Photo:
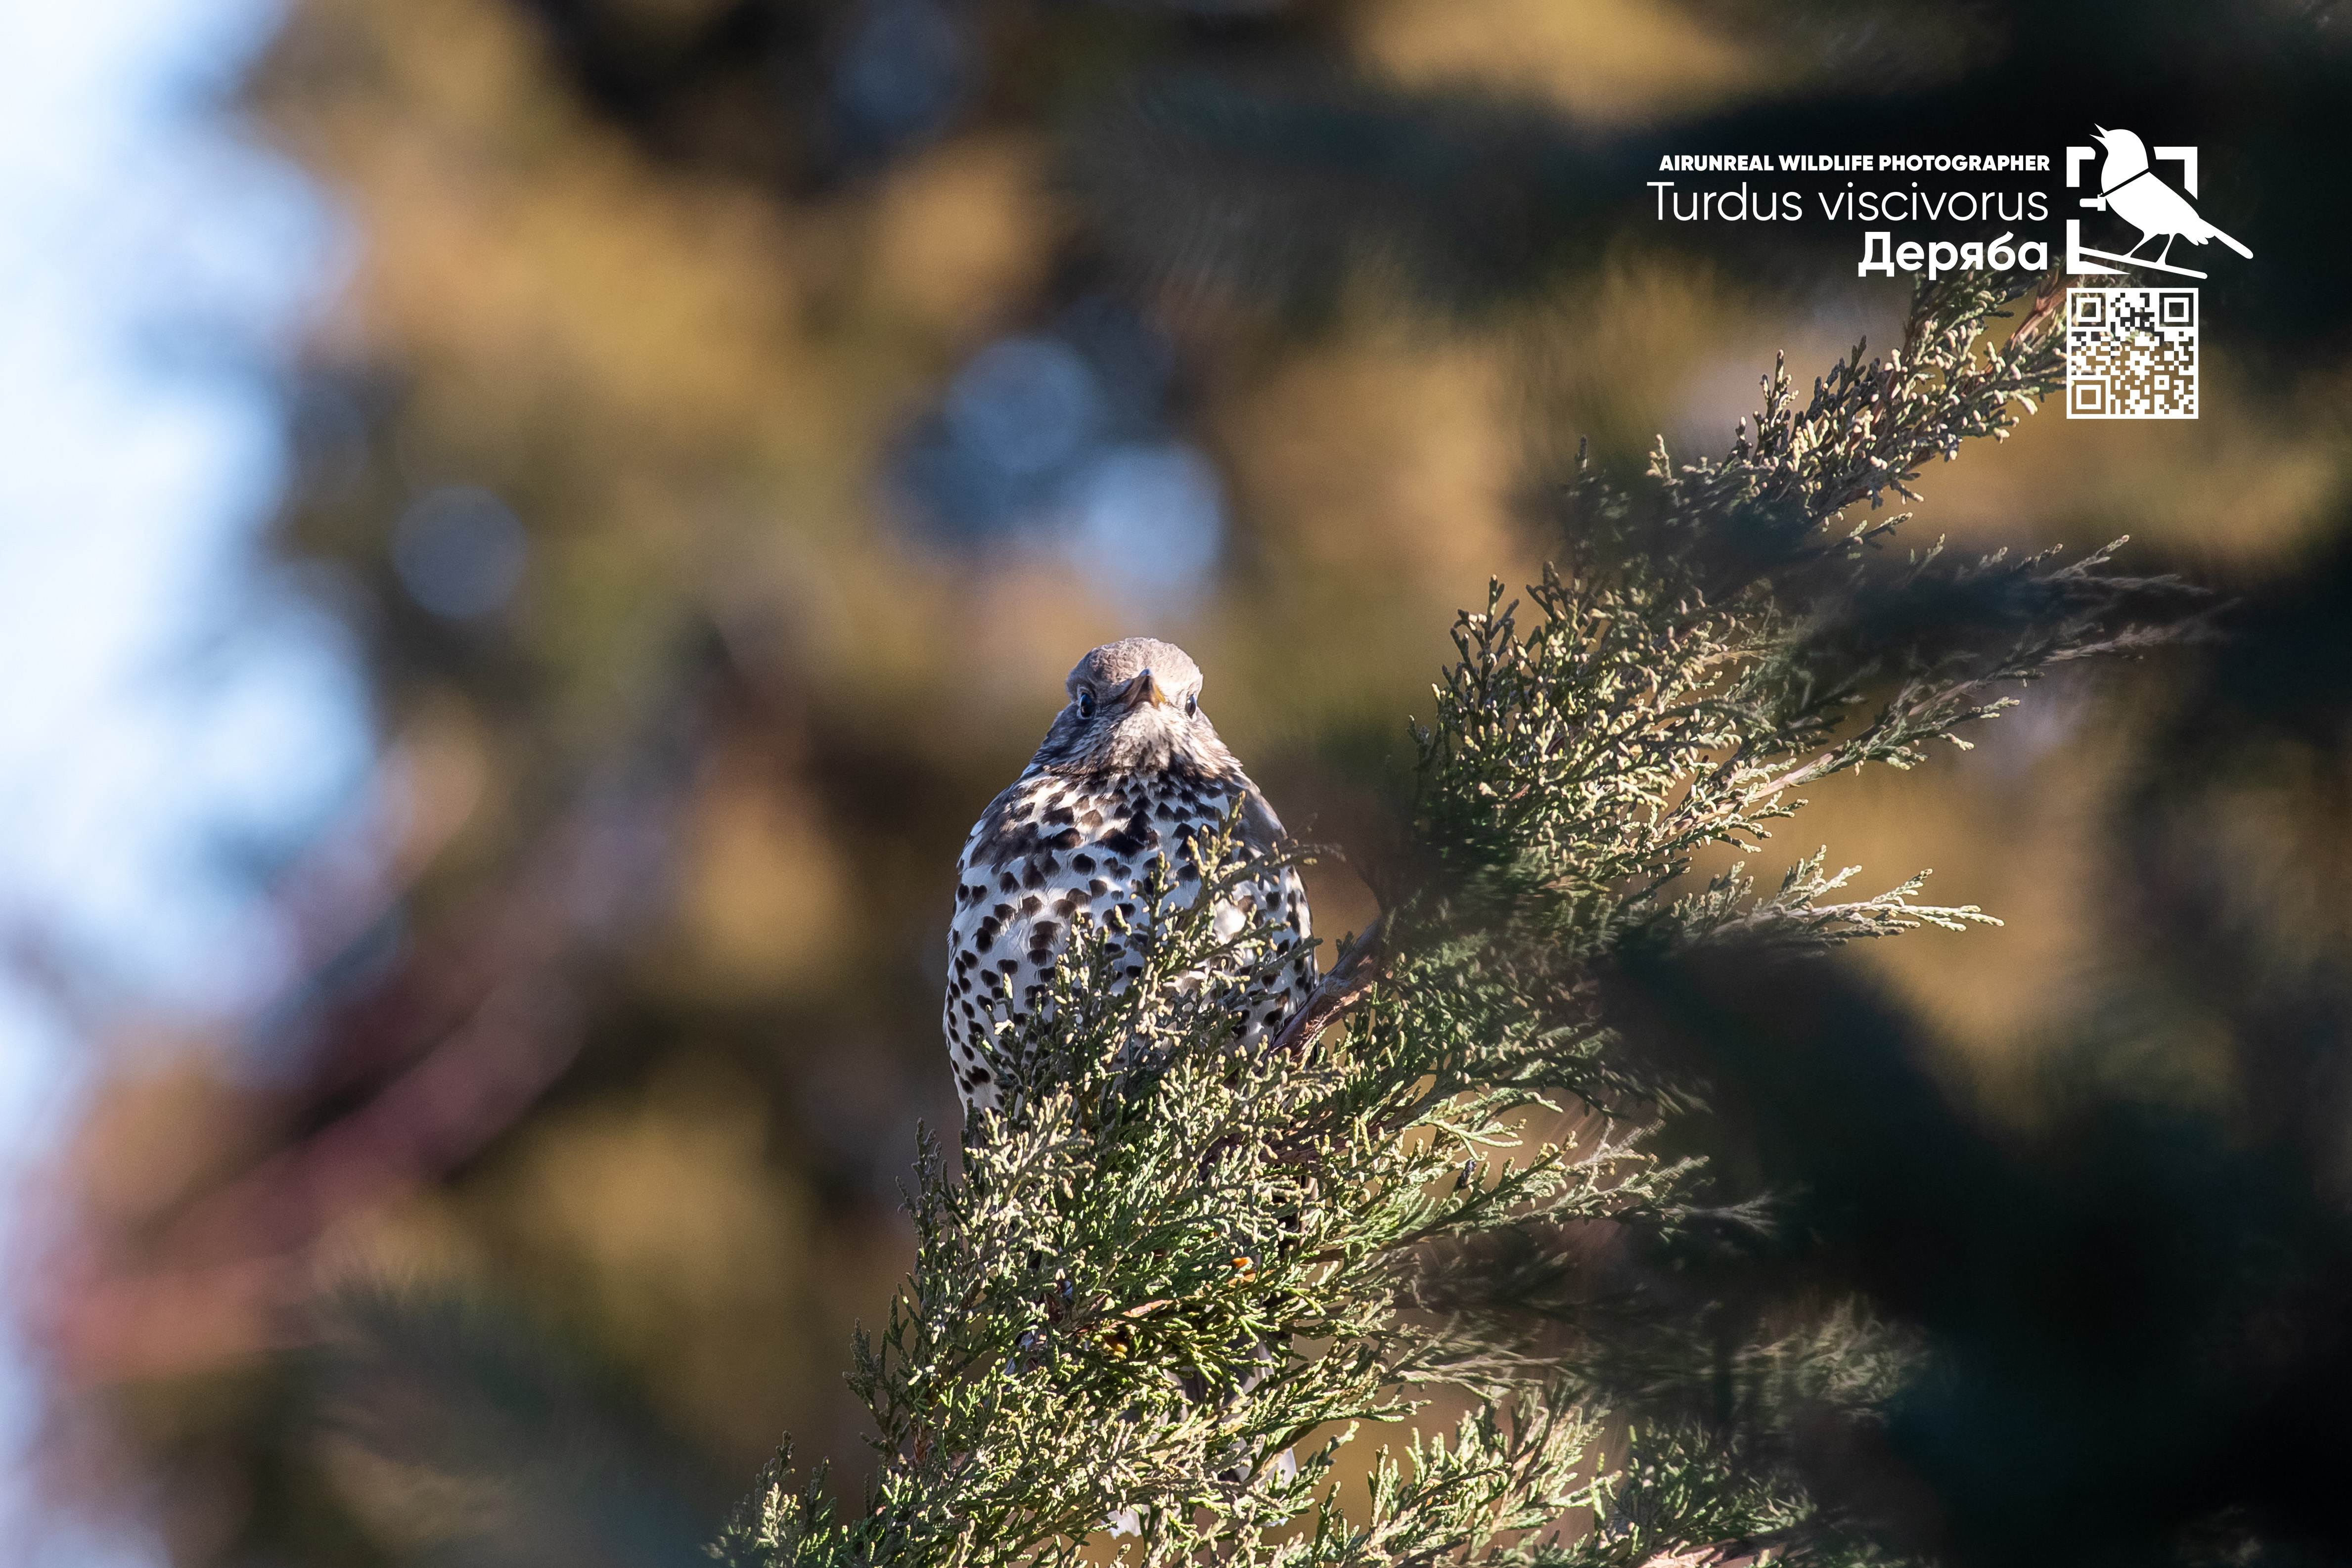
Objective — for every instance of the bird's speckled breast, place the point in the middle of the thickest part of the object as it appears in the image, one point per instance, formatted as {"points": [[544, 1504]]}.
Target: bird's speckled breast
{"points": [[1054, 845]]}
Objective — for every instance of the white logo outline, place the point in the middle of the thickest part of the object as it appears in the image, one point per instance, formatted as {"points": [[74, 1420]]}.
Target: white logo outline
{"points": [[2131, 189]]}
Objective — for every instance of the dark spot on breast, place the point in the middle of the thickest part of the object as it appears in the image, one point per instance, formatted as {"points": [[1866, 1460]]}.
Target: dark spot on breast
{"points": [[1031, 904], [1004, 833], [1098, 887], [1060, 817], [1041, 934], [1083, 864], [1032, 874], [1067, 839], [1007, 882]]}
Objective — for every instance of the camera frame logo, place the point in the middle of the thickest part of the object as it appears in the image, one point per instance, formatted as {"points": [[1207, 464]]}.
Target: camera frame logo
{"points": [[2132, 353]]}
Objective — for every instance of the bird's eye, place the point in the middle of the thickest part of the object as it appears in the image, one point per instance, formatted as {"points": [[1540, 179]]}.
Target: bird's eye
{"points": [[1192, 707], [1086, 704]]}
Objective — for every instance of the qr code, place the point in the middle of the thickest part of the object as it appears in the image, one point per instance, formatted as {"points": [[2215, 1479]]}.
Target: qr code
{"points": [[2131, 353]]}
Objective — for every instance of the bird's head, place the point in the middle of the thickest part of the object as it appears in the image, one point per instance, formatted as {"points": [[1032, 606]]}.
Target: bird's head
{"points": [[2123, 146], [1135, 706]]}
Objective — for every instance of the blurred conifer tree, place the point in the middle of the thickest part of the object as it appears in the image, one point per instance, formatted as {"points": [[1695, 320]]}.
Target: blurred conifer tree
{"points": [[641, 455]]}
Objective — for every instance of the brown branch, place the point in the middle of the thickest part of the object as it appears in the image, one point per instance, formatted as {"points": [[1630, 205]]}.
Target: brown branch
{"points": [[462, 1039], [1746, 1552], [1362, 964]]}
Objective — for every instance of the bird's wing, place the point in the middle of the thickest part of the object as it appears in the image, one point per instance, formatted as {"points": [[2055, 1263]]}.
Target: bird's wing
{"points": [[1261, 828], [2157, 209], [996, 838]]}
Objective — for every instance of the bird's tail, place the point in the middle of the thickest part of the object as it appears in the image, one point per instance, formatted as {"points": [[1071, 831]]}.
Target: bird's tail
{"points": [[2232, 244]]}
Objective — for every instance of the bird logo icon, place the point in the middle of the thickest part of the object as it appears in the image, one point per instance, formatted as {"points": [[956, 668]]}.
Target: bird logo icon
{"points": [[2130, 188]]}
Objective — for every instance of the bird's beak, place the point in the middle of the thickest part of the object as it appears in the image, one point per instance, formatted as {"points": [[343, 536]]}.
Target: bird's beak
{"points": [[1144, 689], [2099, 135]]}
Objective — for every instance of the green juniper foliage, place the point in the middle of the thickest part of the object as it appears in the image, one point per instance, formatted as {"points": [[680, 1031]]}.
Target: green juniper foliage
{"points": [[1166, 1262]]}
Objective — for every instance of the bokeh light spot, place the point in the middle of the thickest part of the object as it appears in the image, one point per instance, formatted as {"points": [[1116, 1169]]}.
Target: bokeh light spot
{"points": [[459, 552], [1024, 405], [901, 75], [1150, 518]]}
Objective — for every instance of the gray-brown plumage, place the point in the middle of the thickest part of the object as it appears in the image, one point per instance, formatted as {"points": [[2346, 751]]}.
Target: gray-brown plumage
{"points": [[1127, 773]]}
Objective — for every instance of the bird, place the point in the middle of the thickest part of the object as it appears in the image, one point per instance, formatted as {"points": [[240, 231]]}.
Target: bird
{"points": [[2131, 189], [1129, 773]]}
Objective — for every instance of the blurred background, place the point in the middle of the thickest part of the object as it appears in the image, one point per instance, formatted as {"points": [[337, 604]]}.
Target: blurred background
{"points": [[528, 528]]}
